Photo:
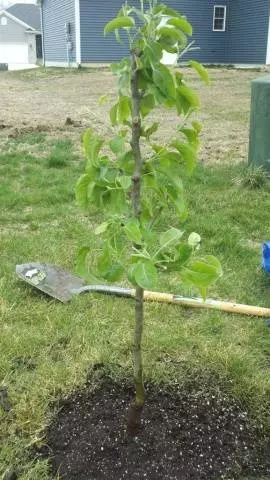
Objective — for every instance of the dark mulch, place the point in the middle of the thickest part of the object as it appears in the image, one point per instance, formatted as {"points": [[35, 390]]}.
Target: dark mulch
{"points": [[185, 435]]}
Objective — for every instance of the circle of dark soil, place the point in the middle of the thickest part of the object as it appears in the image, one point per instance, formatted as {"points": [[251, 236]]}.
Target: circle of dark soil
{"points": [[184, 435]]}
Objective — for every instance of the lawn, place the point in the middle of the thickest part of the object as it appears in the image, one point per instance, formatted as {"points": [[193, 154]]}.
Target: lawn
{"points": [[47, 348]]}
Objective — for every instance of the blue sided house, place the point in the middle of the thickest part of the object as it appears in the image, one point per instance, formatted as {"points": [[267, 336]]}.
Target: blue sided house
{"points": [[226, 31]]}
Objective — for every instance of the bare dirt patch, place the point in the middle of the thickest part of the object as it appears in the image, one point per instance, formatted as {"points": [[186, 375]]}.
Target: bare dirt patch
{"points": [[48, 98], [185, 435]]}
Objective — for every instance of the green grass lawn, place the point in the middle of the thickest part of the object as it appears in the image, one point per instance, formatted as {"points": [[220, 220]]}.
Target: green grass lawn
{"points": [[47, 347]]}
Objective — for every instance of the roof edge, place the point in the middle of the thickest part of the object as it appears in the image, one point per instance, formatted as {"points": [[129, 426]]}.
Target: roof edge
{"points": [[16, 19]]}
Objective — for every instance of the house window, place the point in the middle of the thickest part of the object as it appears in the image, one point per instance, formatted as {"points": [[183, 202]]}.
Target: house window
{"points": [[4, 21], [219, 18]]}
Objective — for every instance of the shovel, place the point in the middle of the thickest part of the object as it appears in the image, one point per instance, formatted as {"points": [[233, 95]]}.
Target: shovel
{"points": [[57, 283]]}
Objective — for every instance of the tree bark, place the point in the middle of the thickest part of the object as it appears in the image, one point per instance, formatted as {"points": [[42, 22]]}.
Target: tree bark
{"points": [[135, 412]]}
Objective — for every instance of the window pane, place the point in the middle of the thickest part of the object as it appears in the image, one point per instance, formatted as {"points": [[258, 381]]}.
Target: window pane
{"points": [[219, 12], [219, 24]]}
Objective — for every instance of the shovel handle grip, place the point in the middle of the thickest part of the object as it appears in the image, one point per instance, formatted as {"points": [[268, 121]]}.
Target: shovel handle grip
{"points": [[178, 300]]}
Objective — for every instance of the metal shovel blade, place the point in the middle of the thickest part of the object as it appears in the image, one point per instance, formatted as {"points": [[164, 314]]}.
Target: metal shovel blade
{"points": [[50, 279]]}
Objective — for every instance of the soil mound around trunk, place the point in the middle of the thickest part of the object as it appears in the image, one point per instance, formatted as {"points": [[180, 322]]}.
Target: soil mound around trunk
{"points": [[184, 435]]}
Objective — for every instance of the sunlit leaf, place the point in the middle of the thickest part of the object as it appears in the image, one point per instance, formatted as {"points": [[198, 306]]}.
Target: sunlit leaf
{"points": [[147, 104], [170, 238], [103, 99], [188, 154], [101, 228], [117, 145], [194, 240], [189, 95], [133, 231], [81, 190], [92, 145], [153, 52], [113, 114], [202, 273], [201, 70], [164, 80], [145, 274], [124, 109], [172, 33], [182, 23], [124, 181], [119, 22]]}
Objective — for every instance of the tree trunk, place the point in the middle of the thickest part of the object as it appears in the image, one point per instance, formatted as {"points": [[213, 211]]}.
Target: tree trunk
{"points": [[135, 412]]}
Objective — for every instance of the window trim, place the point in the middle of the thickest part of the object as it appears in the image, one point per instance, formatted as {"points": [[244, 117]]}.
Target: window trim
{"points": [[224, 20], [3, 21]]}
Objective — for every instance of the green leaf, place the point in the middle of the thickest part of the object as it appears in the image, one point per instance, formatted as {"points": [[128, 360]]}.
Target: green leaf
{"points": [[116, 201], [145, 274], [184, 253], [171, 33], [147, 132], [152, 52], [107, 268], [197, 126], [170, 238], [202, 273], [165, 10], [113, 114], [82, 189], [178, 202], [126, 162], [147, 104], [101, 228], [189, 95], [92, 144], [202, 72], [215, 264], [114, 272], [181, 23], [192, 136], [194, 240], [164, 81], [119, 22], [133, 231], [173, 177], [117, 145], [130, 274], [103, 99], [124, 181], [124, 109], [188, 154]]}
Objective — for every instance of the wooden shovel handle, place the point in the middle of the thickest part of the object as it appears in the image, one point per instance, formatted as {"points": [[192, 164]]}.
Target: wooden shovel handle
{"points": [[208, 303]]}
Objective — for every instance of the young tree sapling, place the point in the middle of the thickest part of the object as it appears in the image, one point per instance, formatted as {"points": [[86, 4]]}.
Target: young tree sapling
{"points": [[141, 180]]}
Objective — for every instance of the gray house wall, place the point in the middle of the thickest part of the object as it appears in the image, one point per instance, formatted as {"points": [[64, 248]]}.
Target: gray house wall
{"points": [[212, 45], [243, 41], [248, 22], [95, 14], [56, 13], [12, 32]]}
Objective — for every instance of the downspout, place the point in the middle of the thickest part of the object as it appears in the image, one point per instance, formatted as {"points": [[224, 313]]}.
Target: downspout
{"points": [[268, 45], [78, 32], [42, 33]]}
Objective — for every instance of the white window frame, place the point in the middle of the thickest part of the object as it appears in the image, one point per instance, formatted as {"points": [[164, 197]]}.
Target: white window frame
{"points": [[224, 20], [3, 21]]}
